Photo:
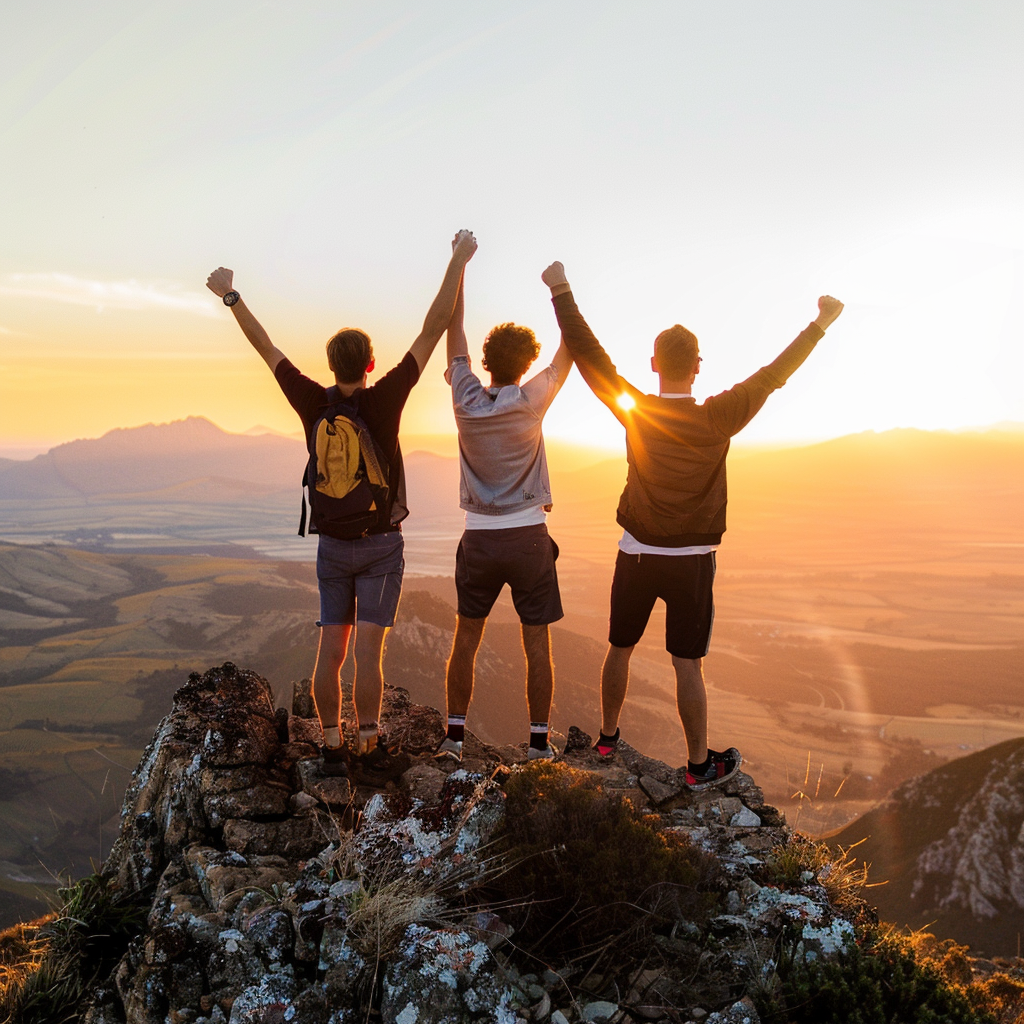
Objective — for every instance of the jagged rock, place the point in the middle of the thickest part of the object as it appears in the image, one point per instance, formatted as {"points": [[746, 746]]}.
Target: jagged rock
{"points": [[411, 727], [659, 792], [577, 740], [742, 1012], [222, 719], [267, 1002], [225, 876], [424, 782], [294, 838], [303, 705], [331, 790], [444, 977], [260, 896], [273, 934], [305, 730]]}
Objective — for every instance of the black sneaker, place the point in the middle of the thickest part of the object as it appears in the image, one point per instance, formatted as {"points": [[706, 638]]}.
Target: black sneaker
{"points": [[723, 765], [334, 760], [605, 745], [380, 766]]}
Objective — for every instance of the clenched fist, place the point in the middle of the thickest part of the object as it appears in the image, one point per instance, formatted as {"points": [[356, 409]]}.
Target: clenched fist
{"points": [[828, 309], [219, 282], [554, 275], [464, 245]]}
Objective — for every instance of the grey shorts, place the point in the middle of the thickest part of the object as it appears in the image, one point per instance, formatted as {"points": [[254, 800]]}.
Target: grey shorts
{"points": [[360, 579]]}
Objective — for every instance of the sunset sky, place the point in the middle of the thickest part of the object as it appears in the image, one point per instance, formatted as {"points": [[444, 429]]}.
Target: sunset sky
{"points": [[715, 164]]}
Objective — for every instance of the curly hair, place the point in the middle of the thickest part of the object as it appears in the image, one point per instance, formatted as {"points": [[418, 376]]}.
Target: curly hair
{"points": [[509, 349], [676, 350], [349, 353]]}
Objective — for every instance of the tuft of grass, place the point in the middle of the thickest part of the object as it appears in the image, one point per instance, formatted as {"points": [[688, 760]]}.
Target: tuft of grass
{"points": [[592, 873], [64, 957], [836, 870]]}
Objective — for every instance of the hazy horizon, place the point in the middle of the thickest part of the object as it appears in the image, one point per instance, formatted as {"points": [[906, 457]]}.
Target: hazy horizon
{"points": [[445, 443]]}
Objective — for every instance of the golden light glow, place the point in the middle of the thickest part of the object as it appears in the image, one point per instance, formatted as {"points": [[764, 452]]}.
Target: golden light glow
{"points": [[625, 402]]}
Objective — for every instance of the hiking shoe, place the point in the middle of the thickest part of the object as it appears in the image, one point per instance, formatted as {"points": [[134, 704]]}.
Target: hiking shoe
{"points": [[334, 760], [605, 745], [380, 766], [549, 753], [448, 750], [724, 765]]}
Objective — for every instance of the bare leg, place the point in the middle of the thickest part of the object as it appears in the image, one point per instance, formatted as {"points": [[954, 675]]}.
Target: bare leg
{"points": [[459, 677], [540, 675], [327, 674], [614, 683], [692, 702], [368, 688]]}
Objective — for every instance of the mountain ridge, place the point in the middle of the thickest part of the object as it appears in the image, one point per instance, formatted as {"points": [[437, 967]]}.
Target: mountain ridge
{"points": [[949, 846]]}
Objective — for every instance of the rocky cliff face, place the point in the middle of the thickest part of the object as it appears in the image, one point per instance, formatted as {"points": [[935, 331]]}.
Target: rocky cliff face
{"points": [[277, 893], [950, 846]]}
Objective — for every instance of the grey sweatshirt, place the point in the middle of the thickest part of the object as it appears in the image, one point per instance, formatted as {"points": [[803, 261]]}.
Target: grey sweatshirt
{"points": [[501, 447]]}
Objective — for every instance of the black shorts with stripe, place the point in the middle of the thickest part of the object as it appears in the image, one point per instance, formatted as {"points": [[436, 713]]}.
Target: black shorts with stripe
{"points": [[683, 582]]}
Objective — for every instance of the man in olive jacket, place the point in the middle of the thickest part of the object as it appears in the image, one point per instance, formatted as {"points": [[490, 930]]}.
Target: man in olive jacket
{"points": [[672, 509]]}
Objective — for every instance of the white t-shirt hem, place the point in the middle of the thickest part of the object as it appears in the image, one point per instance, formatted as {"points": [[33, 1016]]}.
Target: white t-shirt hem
{"points": [[631, 546], [535, 516]]}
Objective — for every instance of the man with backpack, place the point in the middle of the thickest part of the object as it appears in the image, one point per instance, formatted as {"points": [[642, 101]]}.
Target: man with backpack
{"points": [[506, 495], [356, 484], [672, 509]]}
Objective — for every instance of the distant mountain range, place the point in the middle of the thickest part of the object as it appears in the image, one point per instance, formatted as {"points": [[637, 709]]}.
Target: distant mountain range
{"points": [[137, 461], [191, 459], [950, 848]]}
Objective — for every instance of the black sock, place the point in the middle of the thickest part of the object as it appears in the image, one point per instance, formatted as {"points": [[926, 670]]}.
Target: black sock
{"points": [[699, 769], [607, 742], [539, 735], [456, 728]]}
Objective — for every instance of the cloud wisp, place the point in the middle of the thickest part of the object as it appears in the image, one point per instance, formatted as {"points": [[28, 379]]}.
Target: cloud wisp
{"points": [[104, 295]]}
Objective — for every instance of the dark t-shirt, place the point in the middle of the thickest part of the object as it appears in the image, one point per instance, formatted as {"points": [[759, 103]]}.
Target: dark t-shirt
{"points": [[379, 407]]}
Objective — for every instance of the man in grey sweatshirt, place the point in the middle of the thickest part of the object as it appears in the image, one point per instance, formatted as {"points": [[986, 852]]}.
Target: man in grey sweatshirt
{"points": [[506, 494]]}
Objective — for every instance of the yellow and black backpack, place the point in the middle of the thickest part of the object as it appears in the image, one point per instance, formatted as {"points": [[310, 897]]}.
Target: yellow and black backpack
{"points": [[346, 477]]}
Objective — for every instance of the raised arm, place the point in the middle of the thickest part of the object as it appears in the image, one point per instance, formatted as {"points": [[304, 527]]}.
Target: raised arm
{"points": [[220, 283], [562, 361], [457, 344], [581, 345], [732, 410], [441, 309]]}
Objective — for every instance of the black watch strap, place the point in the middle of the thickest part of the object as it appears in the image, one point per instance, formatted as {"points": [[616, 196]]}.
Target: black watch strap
{"points": [[230, 298]]}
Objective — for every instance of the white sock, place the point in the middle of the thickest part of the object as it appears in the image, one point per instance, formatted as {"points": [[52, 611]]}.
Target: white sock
{"points": [[332, 737], [367, 737]]}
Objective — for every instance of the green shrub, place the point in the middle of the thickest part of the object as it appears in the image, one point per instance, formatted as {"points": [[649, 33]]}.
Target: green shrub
{"points": [[881, 980], [589, 868]]}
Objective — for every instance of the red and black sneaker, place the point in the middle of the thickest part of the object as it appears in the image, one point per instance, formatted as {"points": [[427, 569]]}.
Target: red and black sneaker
{"points": [[721, 765], [605, 745]]}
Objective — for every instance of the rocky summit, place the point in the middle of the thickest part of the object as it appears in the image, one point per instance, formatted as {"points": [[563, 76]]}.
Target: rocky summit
{"points": [[492, 890]]}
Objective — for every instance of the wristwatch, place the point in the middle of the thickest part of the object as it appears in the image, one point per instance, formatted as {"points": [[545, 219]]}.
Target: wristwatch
{"points": [[230, 298]]}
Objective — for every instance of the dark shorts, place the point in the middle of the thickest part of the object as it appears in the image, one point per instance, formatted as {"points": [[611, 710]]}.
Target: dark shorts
{"points": [[683, 582], [360, 579], [524, 558]]}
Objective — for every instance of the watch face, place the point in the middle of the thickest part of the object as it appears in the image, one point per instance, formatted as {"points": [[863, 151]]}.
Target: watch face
{"points": [[230, 298]]}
